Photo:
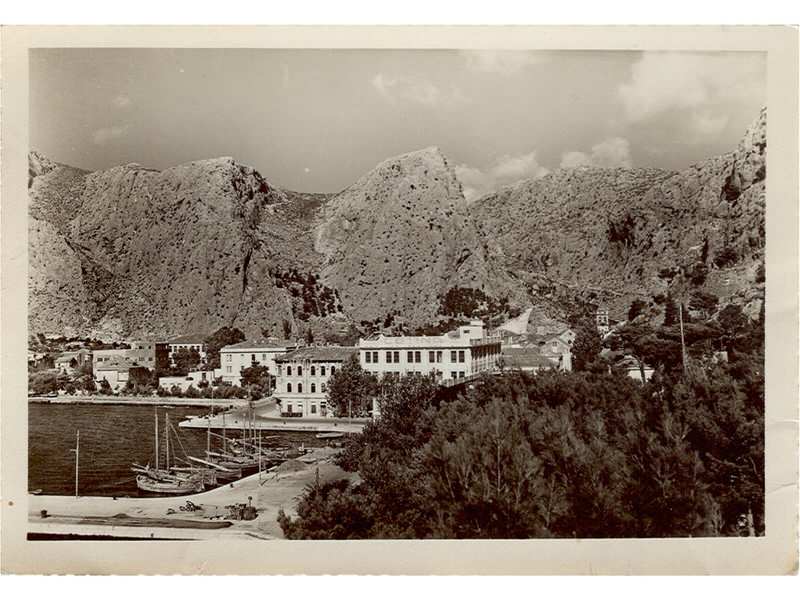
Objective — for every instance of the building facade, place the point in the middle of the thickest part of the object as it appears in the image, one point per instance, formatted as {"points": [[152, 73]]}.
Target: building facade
{"points": [[450, 357], [602, 320], [70, 362], [187, 342], [152, 355], [303, 375], [234, 358]]}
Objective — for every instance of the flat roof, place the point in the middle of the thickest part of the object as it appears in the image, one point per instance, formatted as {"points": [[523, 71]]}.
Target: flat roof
{"points": [[190, 338]]}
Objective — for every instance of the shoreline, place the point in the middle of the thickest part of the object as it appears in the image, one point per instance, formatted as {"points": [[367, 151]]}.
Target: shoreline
{"points": [[161, 517], [141, 401]]}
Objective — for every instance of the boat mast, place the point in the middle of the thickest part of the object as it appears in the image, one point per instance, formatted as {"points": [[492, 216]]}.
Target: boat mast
{"points": [[77, 458], [224, 439], [155, 412], [166, 441]]}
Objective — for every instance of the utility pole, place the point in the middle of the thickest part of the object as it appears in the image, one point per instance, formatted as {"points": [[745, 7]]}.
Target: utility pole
{"points": [[683, 342], [77, 452]]}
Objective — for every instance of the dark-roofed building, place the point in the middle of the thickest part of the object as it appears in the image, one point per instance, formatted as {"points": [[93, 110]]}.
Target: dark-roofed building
{"points": [[303, 374]]}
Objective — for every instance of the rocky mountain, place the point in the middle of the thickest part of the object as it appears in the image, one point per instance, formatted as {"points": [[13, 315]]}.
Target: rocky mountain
{"points": [[131, 251], [613, 235]]}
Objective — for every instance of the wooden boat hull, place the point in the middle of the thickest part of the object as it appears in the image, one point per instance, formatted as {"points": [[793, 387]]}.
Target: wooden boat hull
{"points": [[148, 484]]}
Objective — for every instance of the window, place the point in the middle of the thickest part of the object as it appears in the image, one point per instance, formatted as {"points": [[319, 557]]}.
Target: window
{"points": [[397, 356], [452, 356], [333, 370], [299, 370], [368, 357], [313, 371], [322, 370], [229, 357], [252, 358], [417, 356], [460, 356], [263, 357], [453, 374], [410, 356], [289, 391], [388, 356], [461, 374], [375, 357], [313, 409], [299, 388], [438, 356], [289, 408], [313, 388], [323, 387], [289, 370], [228, 369], [431, 356]]}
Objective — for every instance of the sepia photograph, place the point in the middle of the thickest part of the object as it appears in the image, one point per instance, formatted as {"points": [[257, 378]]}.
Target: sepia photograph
{"points": [[392, 294]]}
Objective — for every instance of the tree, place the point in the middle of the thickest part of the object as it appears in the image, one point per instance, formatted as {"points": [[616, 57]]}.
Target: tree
{"points": [[309, 336], [670, 311], [636, 308], [186, 360], [224, 336], [287, 329], [351, 389], [256, 379], [586, 347]]}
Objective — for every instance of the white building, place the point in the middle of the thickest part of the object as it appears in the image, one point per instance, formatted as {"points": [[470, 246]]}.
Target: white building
{"points": [[194, 378], [234, 358], [187, 342], [303, 375], [452, 356]]}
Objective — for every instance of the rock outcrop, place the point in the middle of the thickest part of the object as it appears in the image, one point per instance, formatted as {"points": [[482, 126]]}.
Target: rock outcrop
{"points": [[131, 251]]}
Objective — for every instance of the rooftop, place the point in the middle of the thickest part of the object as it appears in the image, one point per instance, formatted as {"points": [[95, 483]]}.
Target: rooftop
{"points": [[190, 338], [518, 358], [319, 353], [264, 344]]}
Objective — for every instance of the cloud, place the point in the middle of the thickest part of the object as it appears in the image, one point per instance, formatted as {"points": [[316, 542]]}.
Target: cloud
{"points": [[506, 170], [122, 101], [665, 81], [505, 62], [416, 90], [610, 153], [706, 125], [107, 134]]}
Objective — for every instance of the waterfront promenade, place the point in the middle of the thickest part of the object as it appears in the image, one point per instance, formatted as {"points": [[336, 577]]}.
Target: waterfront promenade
{"points": [[161, 518], [268, 418]]}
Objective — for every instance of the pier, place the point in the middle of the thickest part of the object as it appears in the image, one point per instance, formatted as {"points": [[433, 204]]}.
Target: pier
{"points": [[267, 418]]}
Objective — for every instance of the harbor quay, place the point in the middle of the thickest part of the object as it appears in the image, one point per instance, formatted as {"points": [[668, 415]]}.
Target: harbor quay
{"points": [[169, 518], [139, 400], [266, 417]]}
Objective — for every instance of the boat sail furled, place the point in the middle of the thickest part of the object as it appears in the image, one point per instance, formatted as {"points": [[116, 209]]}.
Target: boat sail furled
{"points": [[170, 479]]}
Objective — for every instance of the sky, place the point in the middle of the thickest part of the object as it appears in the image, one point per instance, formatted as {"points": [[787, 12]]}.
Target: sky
{"points": [[317, 120]]}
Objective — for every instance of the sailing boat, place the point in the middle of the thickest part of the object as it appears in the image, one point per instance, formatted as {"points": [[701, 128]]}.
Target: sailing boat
{"points": [[167, 480]]}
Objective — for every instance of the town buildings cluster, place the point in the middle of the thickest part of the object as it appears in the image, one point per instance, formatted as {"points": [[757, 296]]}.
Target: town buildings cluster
{"points": [[298, 374]]}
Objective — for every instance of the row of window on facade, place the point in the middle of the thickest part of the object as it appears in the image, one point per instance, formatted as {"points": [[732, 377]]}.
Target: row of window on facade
{"points": [[414, 356], [313, 408], [437, 374], [323, 388], [312, 370]]}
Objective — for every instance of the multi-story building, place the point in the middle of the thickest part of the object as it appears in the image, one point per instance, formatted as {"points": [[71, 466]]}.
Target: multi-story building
{"points": [[235, 357], [303, 375], [70, 362], [526, 359], [153, 355], [453, 356], [187, 342]]}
